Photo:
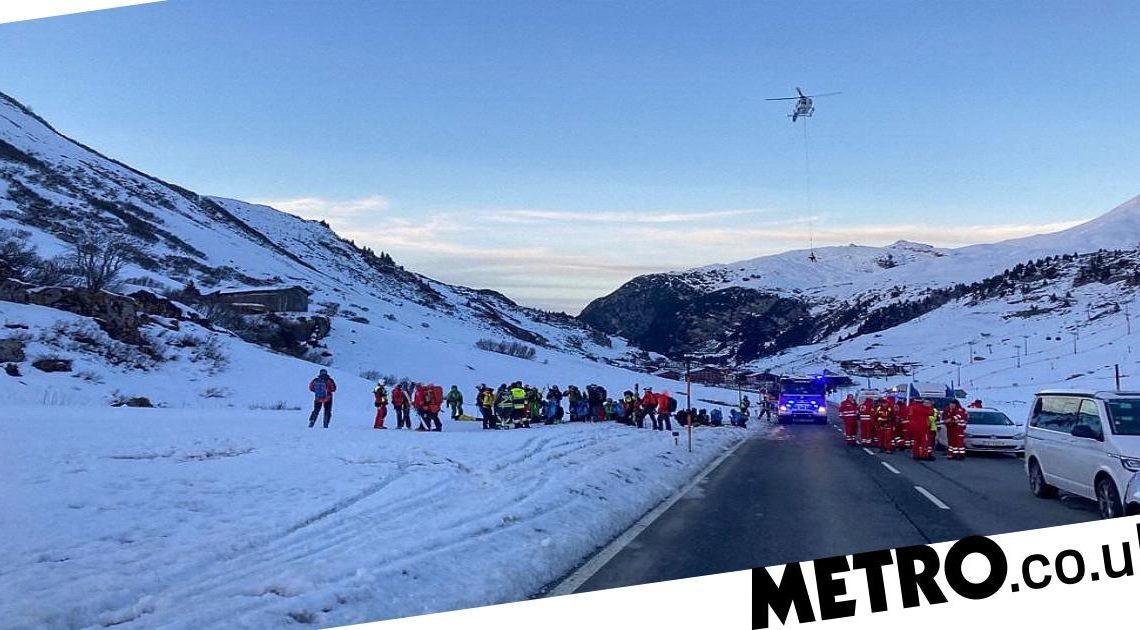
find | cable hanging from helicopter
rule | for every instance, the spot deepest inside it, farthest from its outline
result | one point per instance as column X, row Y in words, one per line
column 805, row 108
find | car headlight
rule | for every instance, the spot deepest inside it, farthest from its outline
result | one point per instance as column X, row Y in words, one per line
column 1019, row 436
column 821, row 410
column 1130, row 463
column 783, row 407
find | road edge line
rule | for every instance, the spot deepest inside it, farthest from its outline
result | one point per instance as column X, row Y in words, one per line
column 583, row 573
column 890, row 468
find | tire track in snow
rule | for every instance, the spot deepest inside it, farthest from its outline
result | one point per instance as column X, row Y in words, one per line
column 343, row 535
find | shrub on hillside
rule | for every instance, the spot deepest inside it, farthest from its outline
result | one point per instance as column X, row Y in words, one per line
column 510, row 348
column 279, row 405
column 85, row 336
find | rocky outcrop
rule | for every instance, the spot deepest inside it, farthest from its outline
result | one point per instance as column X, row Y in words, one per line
column 11, row 351
column 52, row 365
column 664, row 314
column 118, row 315
column 290, row 334
column 121, row 316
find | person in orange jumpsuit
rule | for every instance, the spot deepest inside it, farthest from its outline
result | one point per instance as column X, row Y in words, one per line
column 919, row 417
column 955, row 418
column 849, row 414
column 885, row 419
column 867, row 422
column 902, row 428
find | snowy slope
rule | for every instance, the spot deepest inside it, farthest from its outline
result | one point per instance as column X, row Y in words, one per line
column 843, row 271
column 384, row 318
column 1076, row 341
column 778, row 302
column 221, row 507
column 143, row 518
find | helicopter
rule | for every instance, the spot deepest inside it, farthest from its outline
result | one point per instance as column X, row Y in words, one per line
column 804, row 107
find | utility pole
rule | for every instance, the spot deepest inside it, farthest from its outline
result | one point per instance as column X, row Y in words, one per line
column 1076, row 335
column 1017, row 349
column 689, row 402
column 1116, row 368
column 971, row 344
column 1127, row 319
column 1026, row 338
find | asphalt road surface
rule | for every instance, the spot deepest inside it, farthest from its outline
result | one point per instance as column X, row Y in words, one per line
column 805, row 494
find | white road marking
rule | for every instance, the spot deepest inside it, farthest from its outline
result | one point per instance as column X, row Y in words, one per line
column 600, row 559
column 891, row 468
column 933, row 499
column 868, row 451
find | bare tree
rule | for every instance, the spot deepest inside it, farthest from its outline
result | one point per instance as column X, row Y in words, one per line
column 52, row 272
column 98, row 265
column 17, row 255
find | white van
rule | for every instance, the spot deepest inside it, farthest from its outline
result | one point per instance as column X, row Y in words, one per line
column 1083, row 442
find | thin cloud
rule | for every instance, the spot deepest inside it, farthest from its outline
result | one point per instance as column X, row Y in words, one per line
column 329, row 209
column 563, row 216
column 942, row 235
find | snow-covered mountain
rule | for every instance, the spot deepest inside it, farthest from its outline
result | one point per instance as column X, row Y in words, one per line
column 384, row 319
column 222, row 507
column 752, row 309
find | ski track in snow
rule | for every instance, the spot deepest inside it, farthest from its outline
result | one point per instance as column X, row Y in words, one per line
column 180, row 519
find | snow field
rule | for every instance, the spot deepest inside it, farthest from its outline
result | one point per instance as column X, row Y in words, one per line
column 197, row 518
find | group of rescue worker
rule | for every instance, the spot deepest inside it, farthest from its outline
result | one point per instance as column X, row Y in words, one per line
column 897, row 425
column 517, row 405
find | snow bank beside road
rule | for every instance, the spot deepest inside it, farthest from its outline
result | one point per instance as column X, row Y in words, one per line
column 192, row 518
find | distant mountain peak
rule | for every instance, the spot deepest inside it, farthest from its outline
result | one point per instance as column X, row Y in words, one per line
column 911, row 245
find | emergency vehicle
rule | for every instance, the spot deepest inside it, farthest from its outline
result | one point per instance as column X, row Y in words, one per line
column 802, row 397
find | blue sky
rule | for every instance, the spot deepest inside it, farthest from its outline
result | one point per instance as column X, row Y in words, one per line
column 552, row 150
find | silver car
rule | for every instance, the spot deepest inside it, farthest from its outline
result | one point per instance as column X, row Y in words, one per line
column 1132, row 497
column 991, row 431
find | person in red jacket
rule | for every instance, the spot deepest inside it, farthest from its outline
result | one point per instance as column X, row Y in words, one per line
column 903, row 441
column 849, row 414
column 661, row 420
column 894, row 421
column 433, row 403
column 918, row 416
column 322, row 387
column 418, row 390
column 867, row 422
column 648, row 408
column 402, row 407
column 428, row 400
column 955, row 418
column 885, row 420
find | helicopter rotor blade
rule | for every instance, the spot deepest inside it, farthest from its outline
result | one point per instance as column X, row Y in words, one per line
column 785, row 98
column 824, row 94
column 800, row 92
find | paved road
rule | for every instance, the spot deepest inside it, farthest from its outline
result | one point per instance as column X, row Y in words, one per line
column 804, row 494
